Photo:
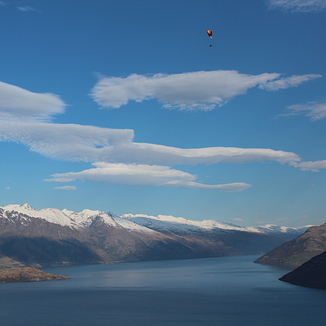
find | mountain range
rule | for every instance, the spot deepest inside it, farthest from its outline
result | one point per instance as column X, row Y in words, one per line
column 58, row 237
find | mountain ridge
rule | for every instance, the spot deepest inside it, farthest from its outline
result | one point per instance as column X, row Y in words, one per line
column 84, row 218
column 57, row 237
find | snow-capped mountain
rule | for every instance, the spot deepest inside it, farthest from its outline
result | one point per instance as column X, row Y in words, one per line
column 167, row 223
column 51, row 237
column 71, row 219
column 141, row 222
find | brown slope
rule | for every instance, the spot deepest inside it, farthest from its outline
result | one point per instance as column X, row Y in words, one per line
column 295, row 252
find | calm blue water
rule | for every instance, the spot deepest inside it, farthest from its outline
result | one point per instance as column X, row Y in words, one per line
column 229, row 291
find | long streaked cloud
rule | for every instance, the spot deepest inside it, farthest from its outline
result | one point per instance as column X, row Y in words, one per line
column 313, row 110
column 298, row 5
column 160, row 154
column 94, row 144
column 16, row 102
column 145, row 175
column 201, row 90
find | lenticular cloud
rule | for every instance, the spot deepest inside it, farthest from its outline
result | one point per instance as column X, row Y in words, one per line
column 92, row 144
column 201, row 90
column 142, row 174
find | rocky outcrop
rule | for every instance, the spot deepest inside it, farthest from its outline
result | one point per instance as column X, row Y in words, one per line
column 27, row 274
column 294, row 253
column 310, row 274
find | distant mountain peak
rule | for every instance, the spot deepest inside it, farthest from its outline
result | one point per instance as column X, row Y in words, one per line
column 27, row 206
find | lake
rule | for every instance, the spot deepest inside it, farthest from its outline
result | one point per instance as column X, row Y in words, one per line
column 230, row 291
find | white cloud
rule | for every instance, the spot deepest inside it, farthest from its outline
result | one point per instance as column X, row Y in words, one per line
column 123, row 161
column 146, row 175
column 65, row 188
column 298, row 5
column 312, row 166
column 93, row 144
column 16, row 102
column 288, row 82
column 313, row 110
column 201, row 90
column 159, row 154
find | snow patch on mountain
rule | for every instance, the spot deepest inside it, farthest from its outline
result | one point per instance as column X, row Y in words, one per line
column 180, row 224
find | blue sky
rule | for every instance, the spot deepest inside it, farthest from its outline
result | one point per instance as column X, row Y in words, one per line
column 124, row 106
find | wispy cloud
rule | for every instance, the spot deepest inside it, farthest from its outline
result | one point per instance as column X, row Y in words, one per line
column 288, row 82
column 201, row 90
column 16, row 102
column 146, row 175
column 315, row 166
column 298, row 5
column 65, row 188
column 313, row 110
column 27, row 9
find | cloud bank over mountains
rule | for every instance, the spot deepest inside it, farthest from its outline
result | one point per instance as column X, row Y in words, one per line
column 26, row 118
column 201, row 90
